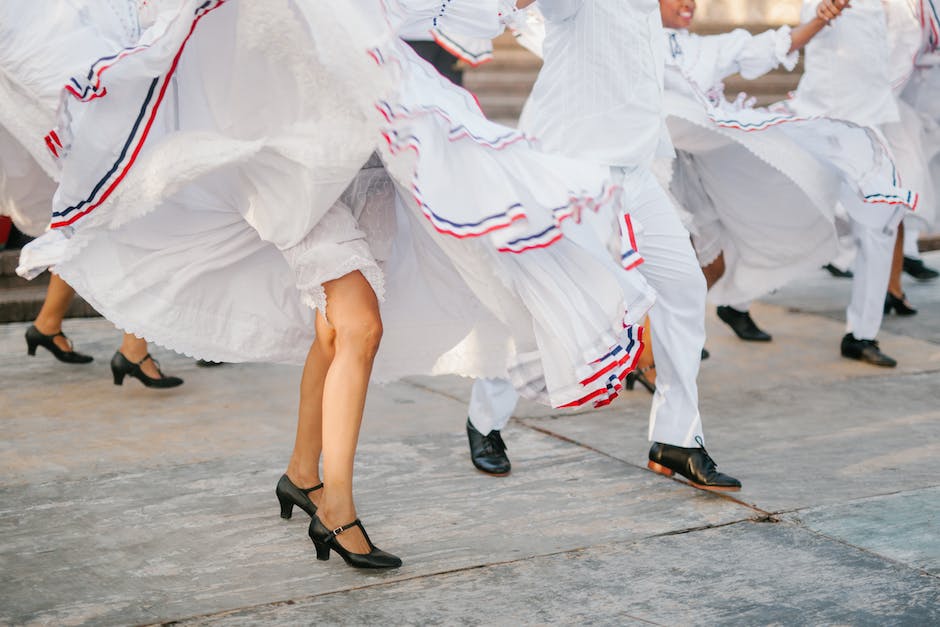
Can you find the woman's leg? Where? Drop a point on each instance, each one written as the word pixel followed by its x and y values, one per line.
pixel 59 296
pixel 714 270
pixel 897 265
pixel 304 467
pixel 353 317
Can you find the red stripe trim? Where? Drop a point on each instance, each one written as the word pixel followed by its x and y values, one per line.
pixel 146 131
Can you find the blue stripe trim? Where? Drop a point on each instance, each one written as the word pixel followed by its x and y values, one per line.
pixel 121 157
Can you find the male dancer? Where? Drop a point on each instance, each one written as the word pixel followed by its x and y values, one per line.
pixel 598 98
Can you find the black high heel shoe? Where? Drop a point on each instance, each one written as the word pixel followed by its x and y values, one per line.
pixel 324 540
pixel 121 367
pixel 289 495
pixel 900 305
pixel 639 376
pixel 36 338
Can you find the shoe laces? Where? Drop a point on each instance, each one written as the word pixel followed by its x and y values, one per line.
pixel 493 442
pixel 708 458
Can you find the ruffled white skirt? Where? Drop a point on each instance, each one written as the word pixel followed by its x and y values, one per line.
pixel 213 180
pixel 762 186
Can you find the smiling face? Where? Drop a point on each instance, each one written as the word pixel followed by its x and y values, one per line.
pixel 677 13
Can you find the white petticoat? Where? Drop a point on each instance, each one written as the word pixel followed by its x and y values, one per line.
pixel 206 201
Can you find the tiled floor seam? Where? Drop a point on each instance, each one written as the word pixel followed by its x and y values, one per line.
pixel 875 554
pixel 464 569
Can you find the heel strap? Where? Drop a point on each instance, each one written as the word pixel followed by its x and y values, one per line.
pixel 146 357
pixel 340 530
pixel 309 490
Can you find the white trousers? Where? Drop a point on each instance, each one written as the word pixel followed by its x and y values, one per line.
pixel 678 320
pixel 872 271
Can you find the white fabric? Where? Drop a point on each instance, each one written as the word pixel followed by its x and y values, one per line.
pixel 492 402
pixel 678 317
pixel 213 234
pixel 846 68
pixel 706 61
pixel 762 185
pixel 599 92
pixel 911 236
pixel 872 271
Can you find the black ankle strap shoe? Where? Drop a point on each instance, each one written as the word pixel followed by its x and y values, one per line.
pixel 325 540
pixel 289 495
pixel 36 338
pixel 121 367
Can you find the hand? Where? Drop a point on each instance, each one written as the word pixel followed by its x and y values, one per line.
pixel 828 10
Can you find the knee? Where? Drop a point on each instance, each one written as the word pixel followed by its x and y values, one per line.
pixel 360 335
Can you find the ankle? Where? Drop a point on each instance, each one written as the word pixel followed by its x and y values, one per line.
pixel 300 478
pixel 46 326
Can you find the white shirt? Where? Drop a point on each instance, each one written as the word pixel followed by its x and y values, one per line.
pixel 599 94
pixel 847 73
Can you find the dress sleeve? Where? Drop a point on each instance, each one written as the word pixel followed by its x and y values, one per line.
pixel 765 52
pixel 466 18
pixel 559 10
pixel 752 55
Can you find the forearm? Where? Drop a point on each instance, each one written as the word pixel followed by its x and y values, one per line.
pixel 801 35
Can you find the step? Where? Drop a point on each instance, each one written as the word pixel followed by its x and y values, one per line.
pixel 22 304
pixel 8 277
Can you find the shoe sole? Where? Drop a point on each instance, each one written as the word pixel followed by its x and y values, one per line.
pixel 493 474
pixel 669 472
pixel 872 363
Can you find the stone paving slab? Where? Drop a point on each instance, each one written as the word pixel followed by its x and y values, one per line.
pixel 822 294
pixel 903 527
pixel 744 574
pixel 190 539
pixel 804 447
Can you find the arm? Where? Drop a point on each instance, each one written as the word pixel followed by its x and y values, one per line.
pixel 825 13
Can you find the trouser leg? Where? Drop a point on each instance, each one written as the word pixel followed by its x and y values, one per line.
pixel 872 272
pixel 678 317
pixel 492 402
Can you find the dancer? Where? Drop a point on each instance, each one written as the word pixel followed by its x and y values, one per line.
pixel 754 238
pixel 864 86
pixel 33 68
pixel 263 238
pixel 577 110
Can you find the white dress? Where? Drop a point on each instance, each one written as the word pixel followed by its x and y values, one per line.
pixel 762 185
pixel 856 71
pixel 31 83
pixel 212 180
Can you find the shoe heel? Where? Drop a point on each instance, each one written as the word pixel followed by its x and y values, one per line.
pixel 660 469
pixel 31 348
pixel 323 551
pixel 287 507
pixel 118 377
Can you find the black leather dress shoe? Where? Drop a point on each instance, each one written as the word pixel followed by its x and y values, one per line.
pixel 695 464
pixel 488 452
pixel 836 272
pixel 865 350
pixel 917 269
pixel 742 324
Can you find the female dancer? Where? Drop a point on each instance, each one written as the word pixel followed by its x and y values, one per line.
pixel 226 173
pixel 31 77
pixel 753 237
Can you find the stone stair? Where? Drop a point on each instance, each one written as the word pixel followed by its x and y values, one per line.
pixel 503 84
pixel 21 300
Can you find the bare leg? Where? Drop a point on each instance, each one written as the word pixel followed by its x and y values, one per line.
pixel 353 315
pixel 714 270
pixel 645 364
pixel 897 264
pixel 304 467
pixel 59 296
pixel 135 349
